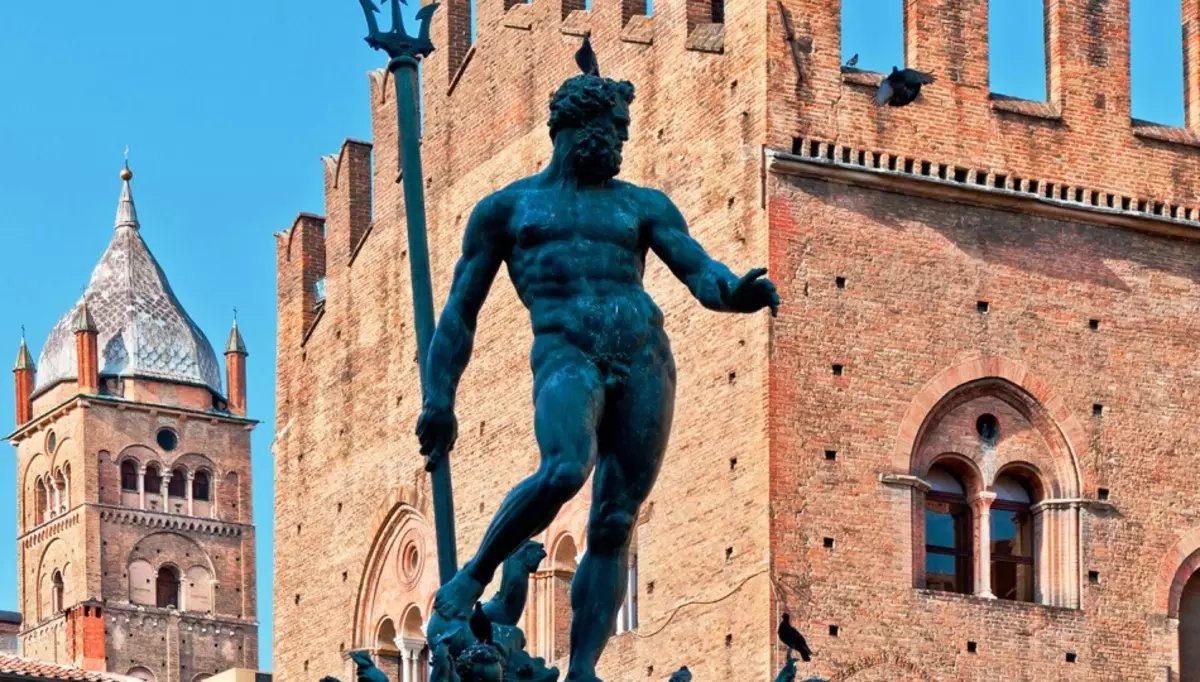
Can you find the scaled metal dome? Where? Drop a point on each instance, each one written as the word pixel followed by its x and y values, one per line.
pixel 143 330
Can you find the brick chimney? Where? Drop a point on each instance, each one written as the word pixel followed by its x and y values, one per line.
pixel 235 370
pixel 23 376
pixel 87 358
pixel 86 647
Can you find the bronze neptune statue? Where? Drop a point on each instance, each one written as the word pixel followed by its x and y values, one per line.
pixel 575 240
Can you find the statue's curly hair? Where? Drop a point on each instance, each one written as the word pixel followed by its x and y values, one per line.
pixel 476 655
pixel 583 98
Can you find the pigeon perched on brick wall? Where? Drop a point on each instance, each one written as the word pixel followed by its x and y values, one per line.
pixel 681 675
pixel 901 87
pixel 852 61
pixel 792 638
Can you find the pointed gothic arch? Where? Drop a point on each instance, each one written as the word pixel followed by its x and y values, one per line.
pixel 389 585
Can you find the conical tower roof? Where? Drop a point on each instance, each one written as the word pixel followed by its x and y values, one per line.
pixel 143 330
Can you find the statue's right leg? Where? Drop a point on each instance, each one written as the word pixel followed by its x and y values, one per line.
pixel 568 403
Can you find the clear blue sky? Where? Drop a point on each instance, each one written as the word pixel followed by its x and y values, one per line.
pixel 227 106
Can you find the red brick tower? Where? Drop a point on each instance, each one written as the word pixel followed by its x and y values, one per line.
pixel 136 539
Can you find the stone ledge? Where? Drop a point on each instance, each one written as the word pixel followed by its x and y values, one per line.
pixel 707 38
pixel 1168 134
pixel 866 79
pixel 639 30
pixel 577 23
pixel 905 481
pixel 519 16
pixel 1047 111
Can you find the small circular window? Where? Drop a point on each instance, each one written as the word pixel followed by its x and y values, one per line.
pixel 52 441
pixel 167 440
pixel 989 429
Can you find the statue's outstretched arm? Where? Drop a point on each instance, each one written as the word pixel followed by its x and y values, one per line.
pixel 704 276
pixel 484 248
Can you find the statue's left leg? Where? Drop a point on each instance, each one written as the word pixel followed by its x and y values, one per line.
pixel 632 439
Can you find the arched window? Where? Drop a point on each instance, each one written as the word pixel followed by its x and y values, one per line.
pixel 153 480
pixel 64 485
pixel 1189 629
pixel 56 593
pixel 177 486
pixel 129 476
pixel 167 588
pixel 1012 540
pixel 947 533
pixel 201 487
pixel 43 500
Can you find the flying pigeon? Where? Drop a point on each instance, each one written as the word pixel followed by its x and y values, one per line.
pixel 586 59
pixel 681 675
pixel 792 638
pixel 853 60
pixel 481 625
pixel 901 87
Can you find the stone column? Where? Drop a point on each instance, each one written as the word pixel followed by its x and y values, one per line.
pixel 166 484
pixel 191 477
pixel 981 507
pixel 66 491
pixel 56 504
pixel 142 486
pixel 1057 562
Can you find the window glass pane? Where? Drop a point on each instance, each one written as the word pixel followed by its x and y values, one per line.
pixel 1012 580
pixel 1012 533
pixel 939 528
pixel 941 572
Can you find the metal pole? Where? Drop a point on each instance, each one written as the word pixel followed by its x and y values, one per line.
pixel 405 50
pixel 404 73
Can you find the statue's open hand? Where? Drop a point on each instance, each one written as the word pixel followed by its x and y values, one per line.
pixel 437 429
pixel 750 294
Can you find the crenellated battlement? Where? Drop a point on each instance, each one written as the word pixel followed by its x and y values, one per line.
pixel 1082 134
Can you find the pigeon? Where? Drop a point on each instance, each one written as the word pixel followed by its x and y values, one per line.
pixel 481 625
pixel 586 59
pixel 853 60
pixel 681 675
pixel 792 638
pixel 901 87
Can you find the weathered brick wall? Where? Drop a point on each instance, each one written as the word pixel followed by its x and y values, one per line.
pixel 347 387
pixel 907 319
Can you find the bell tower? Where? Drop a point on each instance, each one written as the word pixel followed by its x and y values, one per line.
pixel 135 530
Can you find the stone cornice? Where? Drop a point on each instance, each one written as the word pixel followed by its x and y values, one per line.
pixel 186 618
pixel 84 401
pixel 44 531
pixel 984 194
pixel 157 519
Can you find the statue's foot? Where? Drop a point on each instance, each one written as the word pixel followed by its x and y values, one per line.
pixel 456 599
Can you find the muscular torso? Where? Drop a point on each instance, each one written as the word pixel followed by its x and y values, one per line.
pixel 576 258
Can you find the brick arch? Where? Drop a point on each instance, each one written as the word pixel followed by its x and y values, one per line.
pixel 37 466
pixel 1009 381
pixel 141 454
pixel 1178 566
pixel 886 667
pixel 62 454
pixel 166 547
pixel 380 593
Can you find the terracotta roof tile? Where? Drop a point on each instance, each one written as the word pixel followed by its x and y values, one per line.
pixel 16 665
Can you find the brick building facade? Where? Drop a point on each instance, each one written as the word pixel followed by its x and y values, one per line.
pixel 961 452
pixel 136 541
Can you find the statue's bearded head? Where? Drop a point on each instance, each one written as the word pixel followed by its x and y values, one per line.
pixel 595 111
